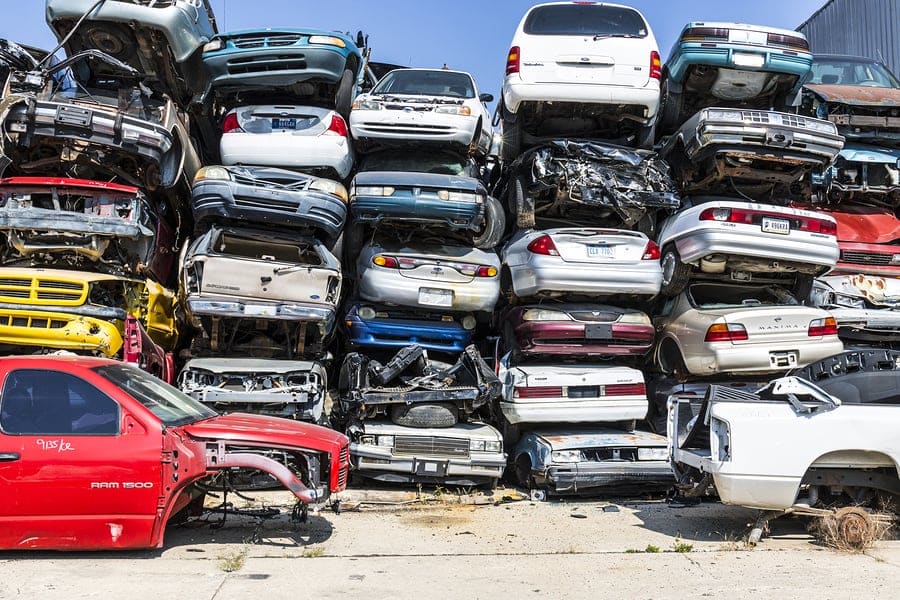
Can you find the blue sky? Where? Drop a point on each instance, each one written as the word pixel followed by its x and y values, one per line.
pixel 470 35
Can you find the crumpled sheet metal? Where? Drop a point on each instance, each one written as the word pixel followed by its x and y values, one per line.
pixel 602 174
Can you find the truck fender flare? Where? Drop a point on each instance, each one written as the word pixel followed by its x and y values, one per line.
pixel 224 460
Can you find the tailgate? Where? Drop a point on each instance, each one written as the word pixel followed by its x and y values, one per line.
pixel 611 247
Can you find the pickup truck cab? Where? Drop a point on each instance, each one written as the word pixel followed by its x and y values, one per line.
pixel 127 452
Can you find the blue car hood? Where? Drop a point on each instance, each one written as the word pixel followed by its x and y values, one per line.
pixel 425 180
pixel 870 154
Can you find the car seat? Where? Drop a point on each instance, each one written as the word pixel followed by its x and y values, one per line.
pixel 829 79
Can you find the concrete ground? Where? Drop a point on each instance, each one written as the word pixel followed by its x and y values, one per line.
pixel 386 544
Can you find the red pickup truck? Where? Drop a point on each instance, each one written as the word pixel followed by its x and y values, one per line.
pixel 97 454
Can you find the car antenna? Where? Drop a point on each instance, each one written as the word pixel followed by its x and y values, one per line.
pixel 72 31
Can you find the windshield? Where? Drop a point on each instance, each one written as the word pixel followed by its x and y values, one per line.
pixel 712 296
pixel 842 71
pixel 426 83
pixel 171 406
pixel 585 19
pixel 416 162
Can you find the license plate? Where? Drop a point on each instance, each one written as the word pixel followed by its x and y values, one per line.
pixel 432 468
pixel 598 331
pixel 284 123
pixel 781 226
pixel 430 297
pixel 783 360
pixel 601 250
pixel 748 59
pixel 259 310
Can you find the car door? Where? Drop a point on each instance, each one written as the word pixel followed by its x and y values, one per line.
pixel 79 470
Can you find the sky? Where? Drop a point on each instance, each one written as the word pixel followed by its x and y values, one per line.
pixel 468 35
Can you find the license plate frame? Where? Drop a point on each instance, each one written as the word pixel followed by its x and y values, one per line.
pixel 775 225
pixel 748 59
pixel 598 331
pixel 284 123
pixel 431 468
pixel 260 310
pixel 436 297
pixel 601 251
pixel 785 359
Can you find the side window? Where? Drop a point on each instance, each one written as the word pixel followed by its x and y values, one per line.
pixel 39 402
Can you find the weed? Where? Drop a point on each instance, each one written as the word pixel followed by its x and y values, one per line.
pixel 680 546
pixel 632 551
pixel 313 552
pixel 652 549
pixel 233 561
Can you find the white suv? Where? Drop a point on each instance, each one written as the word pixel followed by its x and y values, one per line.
pixel 585 68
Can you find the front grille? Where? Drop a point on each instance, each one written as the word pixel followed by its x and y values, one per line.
pixel 266 64
pixel 756 116
pixel 432 446
pixel 30 322
pixel 42 291
pixel 266 41
pixel 593 341
pixel 866 258
pixel 407 107
pixel 342 477
pixel 605 454
pixel 265 204
pixel 793 121
pixel 344 455
pixel 600 317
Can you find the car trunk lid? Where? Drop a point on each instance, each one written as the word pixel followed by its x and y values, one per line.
pixel 599 246
pixel 284 119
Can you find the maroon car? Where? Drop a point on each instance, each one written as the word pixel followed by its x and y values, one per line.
pixel 577 330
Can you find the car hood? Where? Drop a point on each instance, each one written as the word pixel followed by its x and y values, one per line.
pixel 259 430
pixel 426 180
pixel 572 439
pixel 856 94
pixel 866 225
pixel 880 291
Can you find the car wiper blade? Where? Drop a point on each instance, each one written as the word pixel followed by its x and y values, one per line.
pixel 604 36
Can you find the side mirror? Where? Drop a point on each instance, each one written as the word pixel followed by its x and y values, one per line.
pixel 486 97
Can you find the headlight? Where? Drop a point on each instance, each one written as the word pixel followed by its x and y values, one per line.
pixel 820 125
pixel 476 445
pixel 459 196
pixel 493 446
pixel 565 456
pixel 387 441
pixel 367 105
pixel 454 110
pixel 637 318
pixel 469 322
pixel 367 439
pixel 541 314
pixel 220 173
pixel 895 259
pixel 327 40
pixel 373 190
pixel 213 45
pixel 365 312
pixel 653 454
pixel 725 115
pixel 330 187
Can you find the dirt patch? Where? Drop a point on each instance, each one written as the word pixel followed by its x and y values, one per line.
pixel 449 517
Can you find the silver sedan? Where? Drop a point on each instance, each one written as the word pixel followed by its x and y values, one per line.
pixel 432 276
pixel 584 262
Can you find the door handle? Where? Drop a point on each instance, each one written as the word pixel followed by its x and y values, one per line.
pixel 9 456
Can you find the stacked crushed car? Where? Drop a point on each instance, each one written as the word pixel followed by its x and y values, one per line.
pixel 306 234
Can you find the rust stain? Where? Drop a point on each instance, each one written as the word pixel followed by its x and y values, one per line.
pixel 853 94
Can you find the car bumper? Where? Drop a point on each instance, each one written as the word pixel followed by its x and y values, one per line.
pixel 751 358
pixel 568 338
pixel 229 307
pixel 216 199
pixel 574 411
pixel 389 286
pixel 382 464
pixel 59 331
pixel 397 333
pixel 288 150
pixel 517 92
pixel 276 66
pixel 767 492
pixel 455 215
pixel 400 126
pixel 768 248
pixel 541 274
pixel 584 476
pixel 689 54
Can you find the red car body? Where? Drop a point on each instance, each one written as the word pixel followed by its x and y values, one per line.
pixel 67 485
pixel 590 330
pixel 869 239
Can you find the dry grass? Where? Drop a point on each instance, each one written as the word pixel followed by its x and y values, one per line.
pixel 852 528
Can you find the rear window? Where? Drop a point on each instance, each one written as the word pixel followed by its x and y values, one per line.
pixel 585 19
pixel 426 83
pixel 712 296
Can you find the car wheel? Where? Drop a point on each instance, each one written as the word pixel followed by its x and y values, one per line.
pixel 646 136
pixel 343 98
pixel 669 110
pixel 521 205
pixel 676 274
pixel 523 472
pixel 493 227
pixel 512 140
pixel 425 415
pixel 511 433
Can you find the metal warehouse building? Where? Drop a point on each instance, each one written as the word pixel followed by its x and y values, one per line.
pixel 861 27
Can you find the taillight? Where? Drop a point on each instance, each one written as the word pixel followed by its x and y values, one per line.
pixel 819 226
pixel 513 60
pixel 655 66
pixel 231 123
pixel 789 41
pixel 537 392
pixel 485 271
pixel 725 332
pixel 696 34
pixel 338 126
pixel 651 252
pixel 754 217
pixel 543 245
pixel 389 262
pixel 625 389
pixel 716 214
pixel 820 327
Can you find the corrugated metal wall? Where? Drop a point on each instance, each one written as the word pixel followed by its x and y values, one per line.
pixel 860 27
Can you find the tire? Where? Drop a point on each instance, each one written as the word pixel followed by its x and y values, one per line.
pixel 425 415
pixel 646 137
pixel 511 433
pixel 523 471
pixel 494 225
pixel 669 109
pixel 512 140
pixel 676 274
pixel 521 205
pixel 343 98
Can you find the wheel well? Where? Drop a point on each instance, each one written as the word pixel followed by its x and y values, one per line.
pixel 668 354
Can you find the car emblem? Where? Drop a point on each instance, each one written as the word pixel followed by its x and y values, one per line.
pixel 585 59
pixel 407 109
pixel 777 319
pixel 416 191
